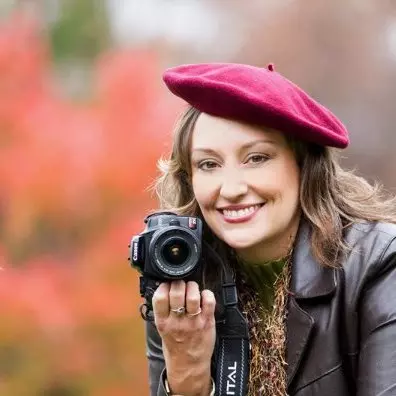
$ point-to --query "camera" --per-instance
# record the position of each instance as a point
(168, 249)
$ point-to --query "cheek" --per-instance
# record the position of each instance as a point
(204, 190)
(284, 184)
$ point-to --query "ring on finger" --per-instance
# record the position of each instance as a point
(195, 313)
(179, 311)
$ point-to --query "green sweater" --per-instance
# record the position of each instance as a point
(262, 278)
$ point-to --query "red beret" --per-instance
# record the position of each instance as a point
(258, 96)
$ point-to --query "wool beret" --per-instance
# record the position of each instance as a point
(258, 96)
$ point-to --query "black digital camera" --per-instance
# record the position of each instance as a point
(168, 249)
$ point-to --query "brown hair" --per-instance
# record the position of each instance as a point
(331, 198)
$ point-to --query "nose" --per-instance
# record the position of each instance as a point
(233, 185)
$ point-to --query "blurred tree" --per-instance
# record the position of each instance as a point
(80, 31)
(73, 180)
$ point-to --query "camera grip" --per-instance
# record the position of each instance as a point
(147, 289)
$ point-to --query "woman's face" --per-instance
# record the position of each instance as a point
(246, 182)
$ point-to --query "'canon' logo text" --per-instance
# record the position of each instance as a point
(135, 251)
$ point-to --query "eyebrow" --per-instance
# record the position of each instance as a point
(245, 146)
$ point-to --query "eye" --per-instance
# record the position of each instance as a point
(257, 158)
(207, 165)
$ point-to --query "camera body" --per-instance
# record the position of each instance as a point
(168, 249)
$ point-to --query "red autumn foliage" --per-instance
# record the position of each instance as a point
(74, 179)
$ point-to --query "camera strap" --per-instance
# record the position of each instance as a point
(233, 351)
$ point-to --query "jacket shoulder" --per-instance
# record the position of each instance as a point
(369, 311)
(360, 230)
(371, 249)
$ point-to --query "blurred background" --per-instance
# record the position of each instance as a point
(84, 117)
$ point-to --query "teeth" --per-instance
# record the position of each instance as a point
(240, 212)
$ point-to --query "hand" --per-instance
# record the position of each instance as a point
(187, 341)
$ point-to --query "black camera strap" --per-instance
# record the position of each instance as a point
(233, 351)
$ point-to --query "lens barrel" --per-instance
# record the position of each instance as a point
(175, 251)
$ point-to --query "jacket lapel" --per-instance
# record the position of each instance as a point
(309, 280)
(299, 328)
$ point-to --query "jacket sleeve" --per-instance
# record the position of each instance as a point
(377, 358)
(156, 361)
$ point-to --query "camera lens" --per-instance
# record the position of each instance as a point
(175, 251)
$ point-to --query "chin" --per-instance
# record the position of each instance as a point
(242, 242)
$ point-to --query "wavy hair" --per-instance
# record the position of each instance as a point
(331, 198)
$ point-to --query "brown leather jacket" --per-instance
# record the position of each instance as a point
(341, 325)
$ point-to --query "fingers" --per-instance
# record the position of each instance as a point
(177, 294)
(193, 298)
(161, 301)
(208, 303)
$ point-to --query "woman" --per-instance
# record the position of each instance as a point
(312, 247)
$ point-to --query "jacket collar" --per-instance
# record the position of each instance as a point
(309, 279)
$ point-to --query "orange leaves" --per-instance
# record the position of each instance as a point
(23, 61)
(73, 181)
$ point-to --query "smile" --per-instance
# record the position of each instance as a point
(240, 215)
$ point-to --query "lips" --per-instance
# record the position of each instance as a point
(236, 214)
